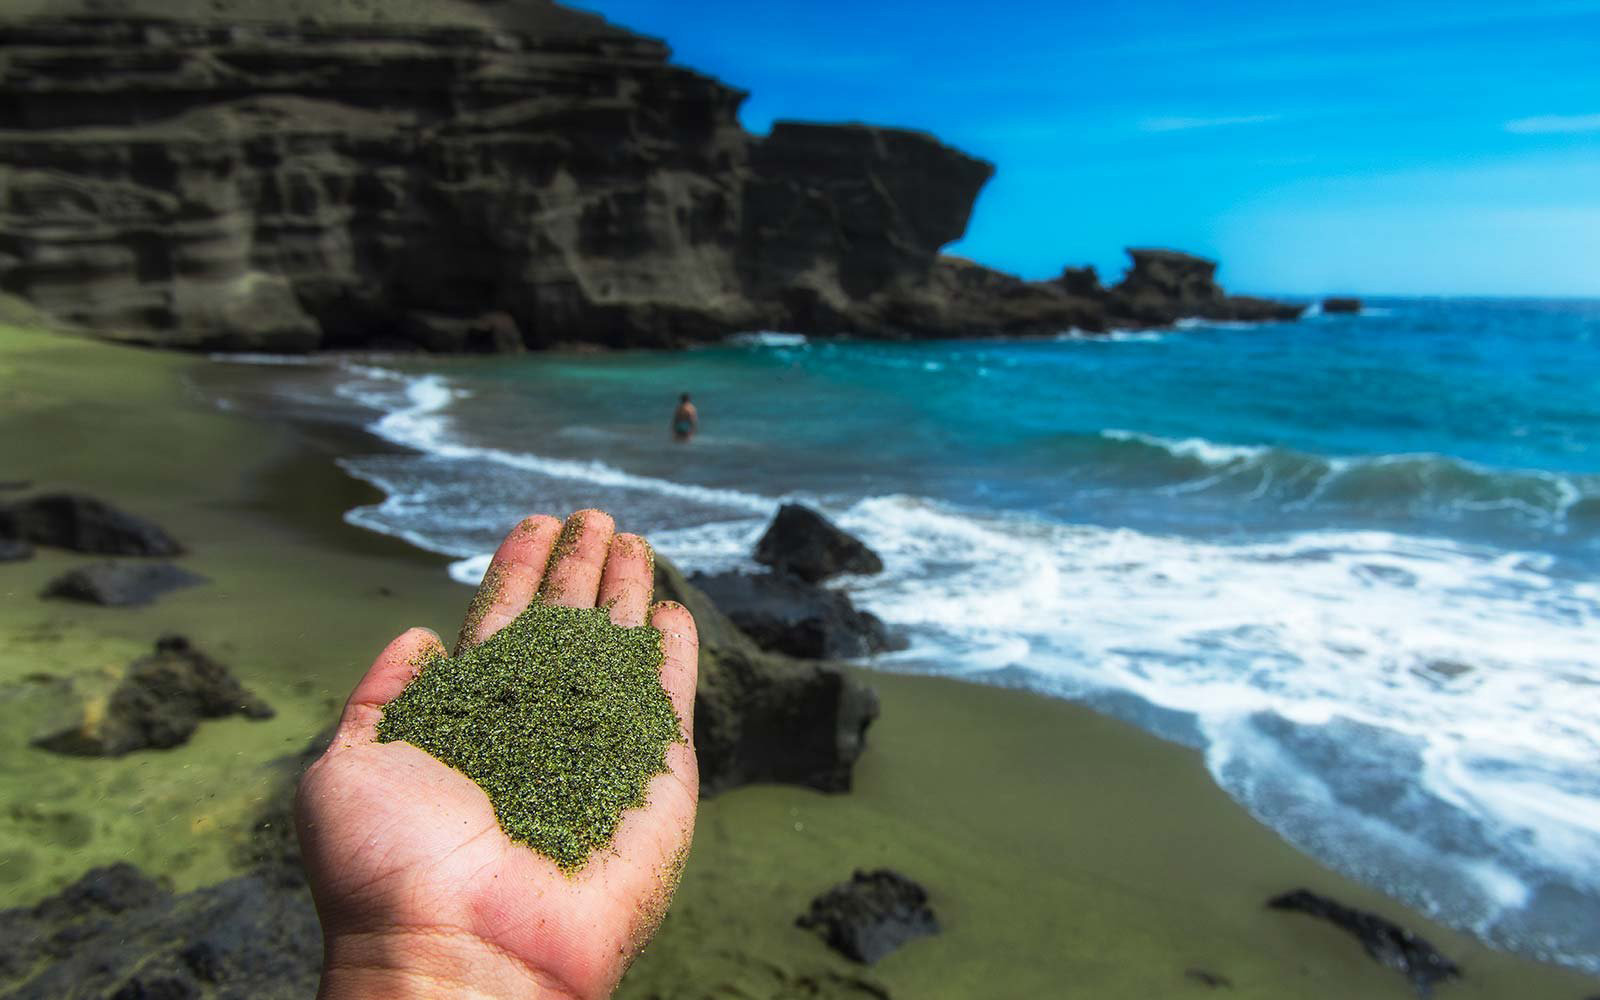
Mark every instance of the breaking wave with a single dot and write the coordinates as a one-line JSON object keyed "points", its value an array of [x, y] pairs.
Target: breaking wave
{"points": [[1410, 486]]}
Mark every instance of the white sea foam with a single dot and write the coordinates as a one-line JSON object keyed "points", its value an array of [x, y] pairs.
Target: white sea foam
{"points": [[1199, 322], [470, 570], [1115, 335], [714, 547], [1208, 452], [769, 338]]}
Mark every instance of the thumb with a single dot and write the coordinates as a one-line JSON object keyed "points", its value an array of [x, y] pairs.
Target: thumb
{"points": [[389, 674]]}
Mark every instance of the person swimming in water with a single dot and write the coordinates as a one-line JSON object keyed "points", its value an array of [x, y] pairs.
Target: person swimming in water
{"points": [[685, 420]]}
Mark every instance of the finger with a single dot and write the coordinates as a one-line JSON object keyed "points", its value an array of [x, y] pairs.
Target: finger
{"points": [[628, 580], [572, 578], [511, 580], [680, 661], [389, 674]]}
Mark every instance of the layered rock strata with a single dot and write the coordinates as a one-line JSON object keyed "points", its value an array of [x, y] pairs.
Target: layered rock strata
{"points": [[233, 175]]}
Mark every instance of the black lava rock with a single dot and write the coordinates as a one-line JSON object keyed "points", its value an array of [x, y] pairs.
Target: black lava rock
{"points": [[1338, 305], [117, 933], [802, 542], [103, 890], [1385, 941], [159, 704], [84, 524], [785, 614], [871, 915], [120, 584], [763, 717]]}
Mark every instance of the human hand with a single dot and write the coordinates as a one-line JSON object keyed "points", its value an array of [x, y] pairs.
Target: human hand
{"points": [[419, 891]]}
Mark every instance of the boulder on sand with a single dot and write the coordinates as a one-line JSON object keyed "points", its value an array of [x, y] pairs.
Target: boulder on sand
{"points": [[120, 585], [803, 542], [84, 524], [784, 614], [1386, 942], [118, 933], [762, 717], [159, 703], [871, 915]]}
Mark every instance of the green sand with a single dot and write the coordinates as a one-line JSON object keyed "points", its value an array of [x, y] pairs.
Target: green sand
{"points": [[1066, 854], [559, 717], [128, 425]]}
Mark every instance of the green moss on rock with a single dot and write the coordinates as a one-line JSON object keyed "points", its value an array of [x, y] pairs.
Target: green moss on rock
{"points": [[560, 717]]}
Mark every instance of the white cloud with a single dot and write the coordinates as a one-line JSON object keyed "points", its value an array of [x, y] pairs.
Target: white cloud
{"points": [[1179, 123], [1554, 123]]}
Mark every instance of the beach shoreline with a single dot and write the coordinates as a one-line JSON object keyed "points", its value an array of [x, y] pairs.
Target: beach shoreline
{"points": [[1065, 852]]}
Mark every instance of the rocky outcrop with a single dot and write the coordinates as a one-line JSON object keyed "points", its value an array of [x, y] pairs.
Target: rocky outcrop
{"points": [[118, 933], [784, 614], [84, 524], [117, 585], [1164, 286], [460, 176], [1341, 305], [1385, 941], [802, 542], [158, 704], [761, 717], [871, 915]]}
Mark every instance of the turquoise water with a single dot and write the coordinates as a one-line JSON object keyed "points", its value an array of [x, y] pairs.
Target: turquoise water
{"points": [[1354, 559], [1461, 418]]}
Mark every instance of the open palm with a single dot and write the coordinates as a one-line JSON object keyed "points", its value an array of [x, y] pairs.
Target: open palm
{"points": [[419, 891]]}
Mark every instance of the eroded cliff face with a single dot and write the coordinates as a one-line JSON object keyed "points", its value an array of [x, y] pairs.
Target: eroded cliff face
{"points": [[233, 175]]}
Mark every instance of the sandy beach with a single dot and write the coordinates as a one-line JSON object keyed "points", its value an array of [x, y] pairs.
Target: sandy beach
{"points": [[1066, 854]]}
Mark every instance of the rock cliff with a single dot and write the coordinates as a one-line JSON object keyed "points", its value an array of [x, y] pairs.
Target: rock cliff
{"points": [[460, 175]]}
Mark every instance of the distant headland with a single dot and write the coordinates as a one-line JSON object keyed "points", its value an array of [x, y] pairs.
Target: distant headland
{"points": [[480, 176]]}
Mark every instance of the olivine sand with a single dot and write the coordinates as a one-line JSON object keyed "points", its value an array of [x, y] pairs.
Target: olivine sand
{"points": [[559, 717]]}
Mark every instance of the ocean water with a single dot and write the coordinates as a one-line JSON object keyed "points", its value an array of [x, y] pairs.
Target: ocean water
{"points": [[1354, 559]]}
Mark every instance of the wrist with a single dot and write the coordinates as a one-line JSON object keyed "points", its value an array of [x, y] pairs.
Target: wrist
{"points": [[413, 965]]}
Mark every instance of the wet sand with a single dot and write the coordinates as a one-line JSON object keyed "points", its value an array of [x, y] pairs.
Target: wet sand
{"points": [[1066, 854]]}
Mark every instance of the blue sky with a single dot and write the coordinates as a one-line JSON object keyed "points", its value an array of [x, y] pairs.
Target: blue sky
{"points": [[1399, 147]]}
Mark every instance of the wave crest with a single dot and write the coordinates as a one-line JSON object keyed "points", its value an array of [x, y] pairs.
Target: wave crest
{"points": [[1415, 485]]}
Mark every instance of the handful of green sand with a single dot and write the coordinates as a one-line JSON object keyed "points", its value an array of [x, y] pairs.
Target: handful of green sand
{"points": [[560, 717]]}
